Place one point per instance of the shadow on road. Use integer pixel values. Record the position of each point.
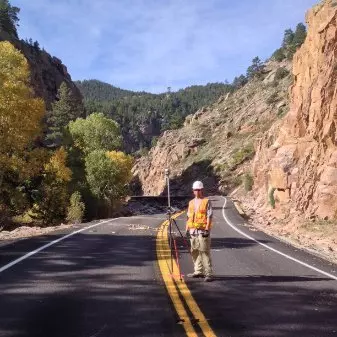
(90, 285)
(224, 243)
(264, 278)
(260, 305)
(103, 285)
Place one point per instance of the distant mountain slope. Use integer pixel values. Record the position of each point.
(100, 91)
(144, 116)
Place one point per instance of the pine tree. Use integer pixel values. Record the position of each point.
(239, 82)
(67, 108)
(36, 45)
(9, 18)
(288, 38)
(300, 35)
(279, 55)
(256, 69)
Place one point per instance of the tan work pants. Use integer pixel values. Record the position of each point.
(201, 254)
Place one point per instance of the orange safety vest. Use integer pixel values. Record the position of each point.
(197, 219)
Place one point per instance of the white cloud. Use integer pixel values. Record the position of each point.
(152, 44)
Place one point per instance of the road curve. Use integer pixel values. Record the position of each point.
(106, 280)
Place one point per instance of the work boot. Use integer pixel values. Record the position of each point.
(208, 279)
(193, 275)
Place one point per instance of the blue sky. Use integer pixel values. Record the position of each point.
(153, 44)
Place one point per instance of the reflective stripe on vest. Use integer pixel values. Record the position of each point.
(197, 219)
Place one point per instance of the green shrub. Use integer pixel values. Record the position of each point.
(281, 112)
(279, 55)
(281, 73)
(235, 181)
(271, 197)
(243, 154)
(76, 208)
(274, 84)
(248, 182)
(273, 98)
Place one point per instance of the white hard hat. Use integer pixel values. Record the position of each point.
(198, 185)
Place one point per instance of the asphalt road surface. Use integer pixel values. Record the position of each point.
(111, 279)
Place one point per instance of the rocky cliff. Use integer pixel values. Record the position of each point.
(47, 72)
(296, 163)
(216, 144)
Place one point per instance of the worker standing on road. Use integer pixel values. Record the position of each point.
(198, 226)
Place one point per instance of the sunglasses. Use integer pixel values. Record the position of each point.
(196, 190)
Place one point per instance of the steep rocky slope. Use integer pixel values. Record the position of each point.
(217, 141)
(47, 72)
(297, 162)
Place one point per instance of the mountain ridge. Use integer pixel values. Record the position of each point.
(145, 116)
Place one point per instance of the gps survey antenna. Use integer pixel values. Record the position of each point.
(167, 177)
(171, 223)
(169, 213)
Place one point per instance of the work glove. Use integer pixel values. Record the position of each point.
(205, 234)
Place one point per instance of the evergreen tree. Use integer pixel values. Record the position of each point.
(288, 38)
(36, 45)
(279, 55)
(300, 35)
(256, 69)
(239, 82)
(9, 18)
(67, 108)
(291, 42)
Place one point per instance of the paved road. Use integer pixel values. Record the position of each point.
(105, 281)
(258, 292)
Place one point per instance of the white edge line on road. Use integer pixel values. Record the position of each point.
(26, 256)
(273, 249)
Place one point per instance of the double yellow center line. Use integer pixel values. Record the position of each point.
(178, 290)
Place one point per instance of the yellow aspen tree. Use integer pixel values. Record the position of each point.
(20, 114)
(54, 194)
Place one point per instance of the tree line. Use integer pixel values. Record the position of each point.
(144, 116)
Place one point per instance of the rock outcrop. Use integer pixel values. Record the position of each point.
(216, 142)
(297, 160)
(47, 72)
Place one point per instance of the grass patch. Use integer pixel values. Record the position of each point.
(248, 182)
(243, 154)
(320, 225)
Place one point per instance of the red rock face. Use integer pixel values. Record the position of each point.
(301, 161)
